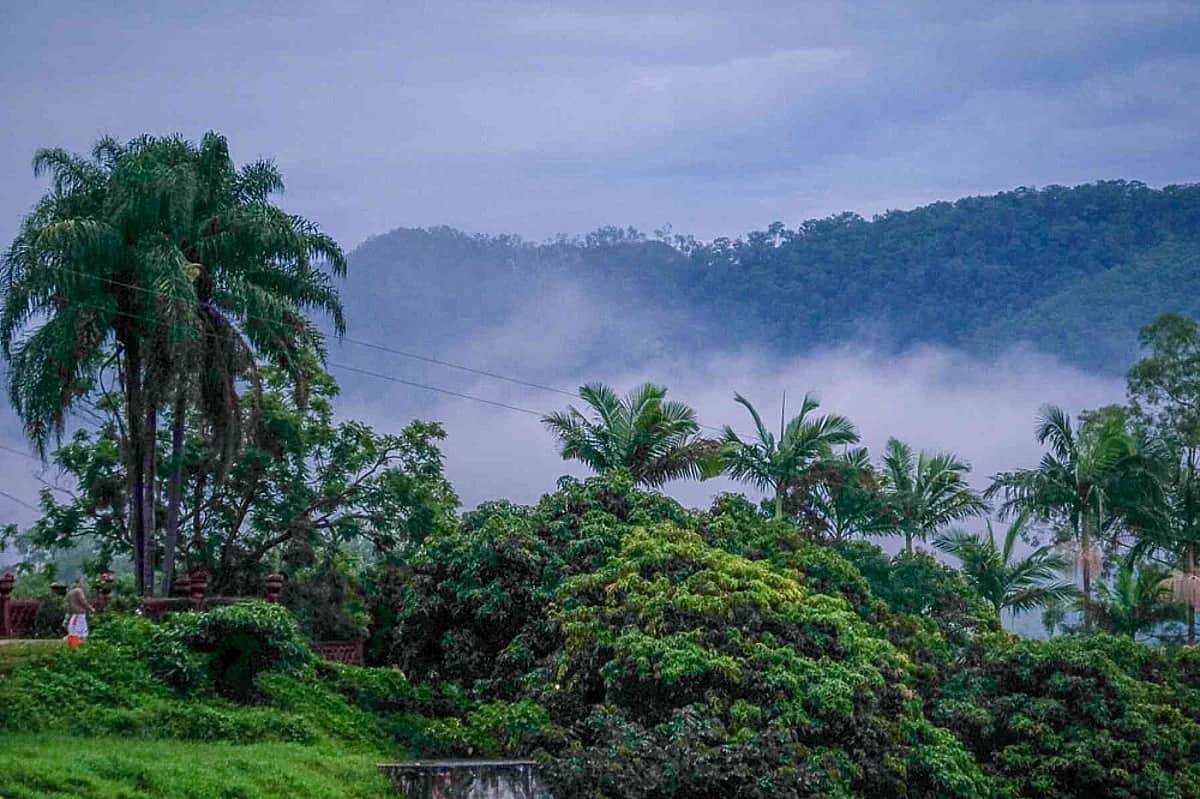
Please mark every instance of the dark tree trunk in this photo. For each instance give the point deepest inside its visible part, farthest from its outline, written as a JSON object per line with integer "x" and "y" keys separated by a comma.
{"x": 174, "y": 492}
{"x": 135, "y": 461}
{"x": 148, "y": 497}
{"x": 1190, "y": 571}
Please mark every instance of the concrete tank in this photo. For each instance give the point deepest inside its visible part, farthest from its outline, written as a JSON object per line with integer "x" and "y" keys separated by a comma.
{"x": 466, "y": 779}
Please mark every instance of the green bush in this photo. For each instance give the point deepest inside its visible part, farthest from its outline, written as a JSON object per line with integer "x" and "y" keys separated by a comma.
{"x": 123, "y": 629}
{"x": 228, "y": 647}
{"x": 50, "y": 619}
{"x": 474, "y": 608}
{"x": 1073, "y": 717}
{"x": 688, "y": 671}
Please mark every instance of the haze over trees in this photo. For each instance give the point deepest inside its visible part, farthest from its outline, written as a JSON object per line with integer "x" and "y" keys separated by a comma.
{"x": 1073, "y": 271}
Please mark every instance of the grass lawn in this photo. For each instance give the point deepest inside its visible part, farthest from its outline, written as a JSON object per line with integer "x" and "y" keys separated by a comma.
{"x": 18, "y": 651}
{"x": 62, "y": 766}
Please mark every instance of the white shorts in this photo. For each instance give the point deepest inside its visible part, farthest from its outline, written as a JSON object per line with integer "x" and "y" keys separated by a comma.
{"x": 77, "y": 625}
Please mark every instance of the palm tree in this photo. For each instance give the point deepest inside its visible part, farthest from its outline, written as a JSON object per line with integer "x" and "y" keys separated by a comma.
{"x": 1008, "y": 583}
{"x": 1136, "y": 602}
{"x": 1084, "y": 483}
{"x": 804, "y": 442}
{"x": 137, "y": 255}
{"x": 848, "y": 498}
{"x": 654, "y": 439}
{"x": 1175, "y": 537}
{"x": 926, "y": 492}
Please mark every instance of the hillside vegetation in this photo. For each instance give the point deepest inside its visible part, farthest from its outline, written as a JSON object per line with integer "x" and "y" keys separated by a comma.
{"x": 1071, "y": 271}
{"x": 636, "y": 649}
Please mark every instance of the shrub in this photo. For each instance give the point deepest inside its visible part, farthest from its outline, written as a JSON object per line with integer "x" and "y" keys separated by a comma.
{"x": 474, "y": 609}
{"x": 50, "y": 619}
{"x": 123, "y": 629}
{"x": 228, "y": 647}
{"x": 1065, "y": 718}
{"x": 688, "y": 671}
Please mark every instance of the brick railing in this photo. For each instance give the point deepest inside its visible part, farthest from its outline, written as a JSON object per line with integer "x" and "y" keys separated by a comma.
{"x": 191, "y": 593}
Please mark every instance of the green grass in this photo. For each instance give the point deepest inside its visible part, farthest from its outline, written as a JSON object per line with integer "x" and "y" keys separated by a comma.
{"x": 51, "y": 766}
{"x": 16, "y": 652}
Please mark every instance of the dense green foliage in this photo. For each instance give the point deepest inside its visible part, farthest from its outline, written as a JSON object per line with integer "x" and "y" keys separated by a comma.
{"x": 980, "y": 273}
{"x": 1076, "y": 717}
{"x": 640, "y": 649}
{"x": 677, "y": 653}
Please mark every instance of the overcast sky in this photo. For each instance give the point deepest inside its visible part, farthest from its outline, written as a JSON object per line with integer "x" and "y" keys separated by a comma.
{"x": 558, "y": 117}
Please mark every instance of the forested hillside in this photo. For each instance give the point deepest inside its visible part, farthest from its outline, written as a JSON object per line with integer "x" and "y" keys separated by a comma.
{"x": 1071, "y": 271}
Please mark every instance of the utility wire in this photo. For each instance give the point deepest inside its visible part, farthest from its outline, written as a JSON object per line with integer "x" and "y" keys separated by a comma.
{"x": 16, "y": 451}
{"x": 458, "y": 366}
{"x": 19, "y": 501}
{"x": 452, "y": 393}
{"x": 371, "y": 345}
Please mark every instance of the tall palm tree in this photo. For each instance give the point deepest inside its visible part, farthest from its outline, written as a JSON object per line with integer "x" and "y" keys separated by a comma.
{"x": 656, "y": 440}
{"x": 926, "y": 492}
{"x": 1174, "y": 539}
{"x": 1087, "y": 480}
{"x": 776, "y": 464}
{"x": 1137, "y": 601}
{"x": 136, "y": 255}
{"x": 1007, "y": 582}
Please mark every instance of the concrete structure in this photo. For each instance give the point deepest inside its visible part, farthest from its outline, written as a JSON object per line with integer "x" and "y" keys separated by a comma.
{"x": 466, "y": 779}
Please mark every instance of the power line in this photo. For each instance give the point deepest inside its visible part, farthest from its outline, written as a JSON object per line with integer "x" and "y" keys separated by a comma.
{"x": 16, "y": 451}
{"x": 19, "y": 501}
{"x": 371, "y": 345}
{"x": 458, "y": 366}
{"x": 451, "y": 392}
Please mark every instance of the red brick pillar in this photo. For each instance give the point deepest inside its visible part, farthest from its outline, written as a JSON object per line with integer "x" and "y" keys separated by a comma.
{"x": 274, "y": 583}
{"x": 104, "y": 590}
{"x": 199, "y": 589}
{"x": 6, "y": 587}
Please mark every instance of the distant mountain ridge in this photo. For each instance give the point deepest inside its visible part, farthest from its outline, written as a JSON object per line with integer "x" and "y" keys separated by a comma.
{"x": 1071, "y": 271}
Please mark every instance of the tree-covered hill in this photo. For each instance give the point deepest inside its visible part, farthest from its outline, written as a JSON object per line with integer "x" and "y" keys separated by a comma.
{"x": 1071, "y": 271}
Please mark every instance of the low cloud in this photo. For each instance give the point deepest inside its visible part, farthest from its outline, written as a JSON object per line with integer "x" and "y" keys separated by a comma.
{"x": 983, "y": 409}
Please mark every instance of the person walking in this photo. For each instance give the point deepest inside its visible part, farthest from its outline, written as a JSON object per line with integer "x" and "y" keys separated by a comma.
{"x": 78, "y": 608}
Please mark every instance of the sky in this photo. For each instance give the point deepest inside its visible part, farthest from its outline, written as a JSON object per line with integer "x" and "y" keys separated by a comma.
{"x": 712, "y": 118}
{"x": 545, "y": 118}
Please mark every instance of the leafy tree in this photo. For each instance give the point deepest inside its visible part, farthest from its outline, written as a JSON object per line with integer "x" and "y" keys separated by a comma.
{"x": 776, "y": 464}
{"x": 1088, "y": 482}
{"x": 1009, "y": 583}
{"x": 305, "y": 489}
{"x": 656, "y": 440}
{"x": 1076, "y": 716}
{"x": 848, "y": 498}
{"x": 133, "y": 259}
{"x": 1137, "y": 601}
{"x": 1164, "y": 391}
{"x": 926, "y": 492}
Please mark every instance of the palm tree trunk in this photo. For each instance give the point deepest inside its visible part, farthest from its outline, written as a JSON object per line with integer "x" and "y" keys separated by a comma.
{"x": 1085, "y": 560}
{"x": 174, "y": 492}
{"x": 1191, "y": 571}
{"x": 134, "y": 460}
{"x": 778, "y": 505}
{"x": 197, "y": 521}
{"x": 908, "y": 539}
{"x": 148, "y": 496}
